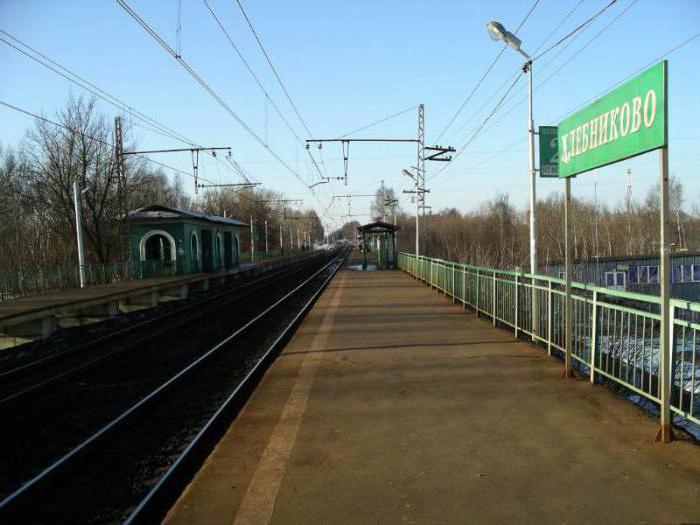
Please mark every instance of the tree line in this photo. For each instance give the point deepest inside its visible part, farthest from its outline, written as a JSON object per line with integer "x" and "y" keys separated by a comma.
{"x": 497, "y": 233}
{"x": 36, "y": 195}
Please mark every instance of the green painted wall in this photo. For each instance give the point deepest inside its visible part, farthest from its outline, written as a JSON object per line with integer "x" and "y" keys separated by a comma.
{"x": 182, "y": 231}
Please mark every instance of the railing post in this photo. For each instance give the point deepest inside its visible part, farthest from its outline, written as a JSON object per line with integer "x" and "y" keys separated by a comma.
{"x": 516, "y": 306}
{"x": 454, "y": 299}
{"x": 594, "y": 337}
{"x": 464, "y": 287}
{"x": 478, "y": 282}
{"x": 493, "y": 299}
{"x": 549, "y": 318}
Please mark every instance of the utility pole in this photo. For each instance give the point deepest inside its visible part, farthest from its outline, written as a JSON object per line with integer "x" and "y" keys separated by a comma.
{"x": 266, "y": 246}
{"x": 194, "y": 151}
{"x": 252, "y": 240}
{"x": 121, "y": 189}
{"x": 79, "y": 231}
{"x": 420, "y": 168}
{"x": 420, "y": 172}
{"x": 281, "y": 240}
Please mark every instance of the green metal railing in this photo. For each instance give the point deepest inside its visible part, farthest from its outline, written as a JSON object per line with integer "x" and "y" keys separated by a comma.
{"x": 615, "y": 333}
{"x": 33, "y": 281}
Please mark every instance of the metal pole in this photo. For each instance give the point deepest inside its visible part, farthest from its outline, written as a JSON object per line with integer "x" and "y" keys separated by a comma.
{"x": 252, "y": 240}
{"x": 79, "y": 233}
{"x": 281, "y": 240}
{"x": 266, "y": 246}
{"x": 568, "y": 333}
{"x": 665, "y": 351}
{"x": 533, "y": 203}
{"x": 121, "y": 189}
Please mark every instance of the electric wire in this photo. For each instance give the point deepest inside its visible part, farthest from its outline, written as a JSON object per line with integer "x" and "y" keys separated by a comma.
{"x": 663, "y": 55}
{"x": 40, "y": 58}
{"x": 575, "y": 30}
{"x": 381, "y": 121}
{"x": 607, "y": 26}
{"x": 97, "y": 139}
{"x": 260, "y": 85}
{"x": 486, "y": 73}
{"x": 208, "y": 89}
{"x": 272, "y": 67}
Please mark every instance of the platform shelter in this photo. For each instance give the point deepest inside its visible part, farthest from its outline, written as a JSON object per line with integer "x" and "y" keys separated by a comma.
{"x": 380, "y": 238}
{"x": 186, "y": 241}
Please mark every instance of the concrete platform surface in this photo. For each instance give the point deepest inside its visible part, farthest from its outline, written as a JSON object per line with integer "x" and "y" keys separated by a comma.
{"x": 391, "y": 405}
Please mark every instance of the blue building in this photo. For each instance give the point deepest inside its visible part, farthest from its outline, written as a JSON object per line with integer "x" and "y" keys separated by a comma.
{"x": 638, "y": 273}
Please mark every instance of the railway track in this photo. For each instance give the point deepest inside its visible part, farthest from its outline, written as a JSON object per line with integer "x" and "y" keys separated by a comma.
{"x": 109, "y": 461}
{"x": 91, "y": 337}
{"x": 31, "y": 374}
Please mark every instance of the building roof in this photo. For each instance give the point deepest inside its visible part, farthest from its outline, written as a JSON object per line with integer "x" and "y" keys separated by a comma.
{"x": 627, "y": 258}
{"x": 159, "y": 213}
{"x": 378, "y": 225}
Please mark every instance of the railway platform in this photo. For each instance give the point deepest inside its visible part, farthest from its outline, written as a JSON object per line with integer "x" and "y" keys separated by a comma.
{"x": 392, "y": 405}
{"x": 36, "y": 317}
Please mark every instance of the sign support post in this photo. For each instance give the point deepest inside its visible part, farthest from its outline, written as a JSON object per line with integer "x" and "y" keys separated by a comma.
{"x": 630, "y": 120}
{"x": 665, "y": 351}
{"x": 568, "y": 328}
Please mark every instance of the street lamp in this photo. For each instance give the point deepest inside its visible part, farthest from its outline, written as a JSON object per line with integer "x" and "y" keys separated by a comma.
{"x": 498, "y": 32}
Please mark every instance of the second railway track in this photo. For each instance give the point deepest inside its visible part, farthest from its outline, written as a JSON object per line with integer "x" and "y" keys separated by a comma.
{"x": 96, "y": 459}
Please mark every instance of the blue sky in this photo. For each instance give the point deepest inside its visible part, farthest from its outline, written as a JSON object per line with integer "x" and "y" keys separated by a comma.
{"x": 347, "y": 64}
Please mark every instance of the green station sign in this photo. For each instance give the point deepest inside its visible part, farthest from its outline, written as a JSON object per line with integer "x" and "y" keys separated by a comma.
{"x": 549, "y": 151}
{"x": 628, "y": 121}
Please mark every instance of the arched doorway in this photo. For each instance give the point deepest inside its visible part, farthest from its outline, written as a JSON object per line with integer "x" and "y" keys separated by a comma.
{"x": 236, "y": 250}
{"x": 194, "y": 252}
{"x": 157, "y": 249}
{"x": 219, "y": 251}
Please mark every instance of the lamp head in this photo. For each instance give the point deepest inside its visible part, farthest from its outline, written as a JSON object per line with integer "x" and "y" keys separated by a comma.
{"x": 498, "y": 32}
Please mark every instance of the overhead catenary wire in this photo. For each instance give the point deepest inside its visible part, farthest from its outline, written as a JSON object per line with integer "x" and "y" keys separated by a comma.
{"x": 260, "y": 85}
{"x": 148, "y": 123}
{"x": 607, "y": 26}
{"x": 377, "y": 122}
{"x": 486, "y": 73}
{"x": 272, "y": 67}
{"x": 575, "y": 30}
{"x": 648, "y": 64}
{"x": 97, "y": 139}
{"x": 516, "y": 73}
{"x": 208, "y": 89}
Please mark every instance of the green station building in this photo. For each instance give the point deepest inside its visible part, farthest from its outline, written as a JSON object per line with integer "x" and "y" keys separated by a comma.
{"x": 181, "y": 241}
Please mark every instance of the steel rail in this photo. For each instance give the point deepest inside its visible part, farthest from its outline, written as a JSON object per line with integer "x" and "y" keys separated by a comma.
{"x": 151, "y": 504}
{"x": 112, "y": 335}
{"x": 25, "y": 487}
{"x": 209, "y": 300}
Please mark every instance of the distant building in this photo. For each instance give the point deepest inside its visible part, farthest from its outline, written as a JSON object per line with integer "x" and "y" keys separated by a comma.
{"x": 638, "y": 273}
{"x": 183, "y": 241}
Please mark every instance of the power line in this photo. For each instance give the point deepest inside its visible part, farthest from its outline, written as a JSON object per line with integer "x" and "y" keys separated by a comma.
{"x": 558, "y": 69}
{"x": 510, "y": 79}
{"x": 561, "y": 23}
{"x": 481, "y": 126}
{"x": 274, "y": 70}
{"x": 209, "y": 90}
{"x": 486, "y": 73}
{"x": 681, "y": 44}
{"x": 47, "y": 62}
{"x": 576, "y": 29}
{"x": 378, "y": 122}
{"x": 88, "y": 86}
{"x": 260, "y": 85}
{"x": 97, "y": 139}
